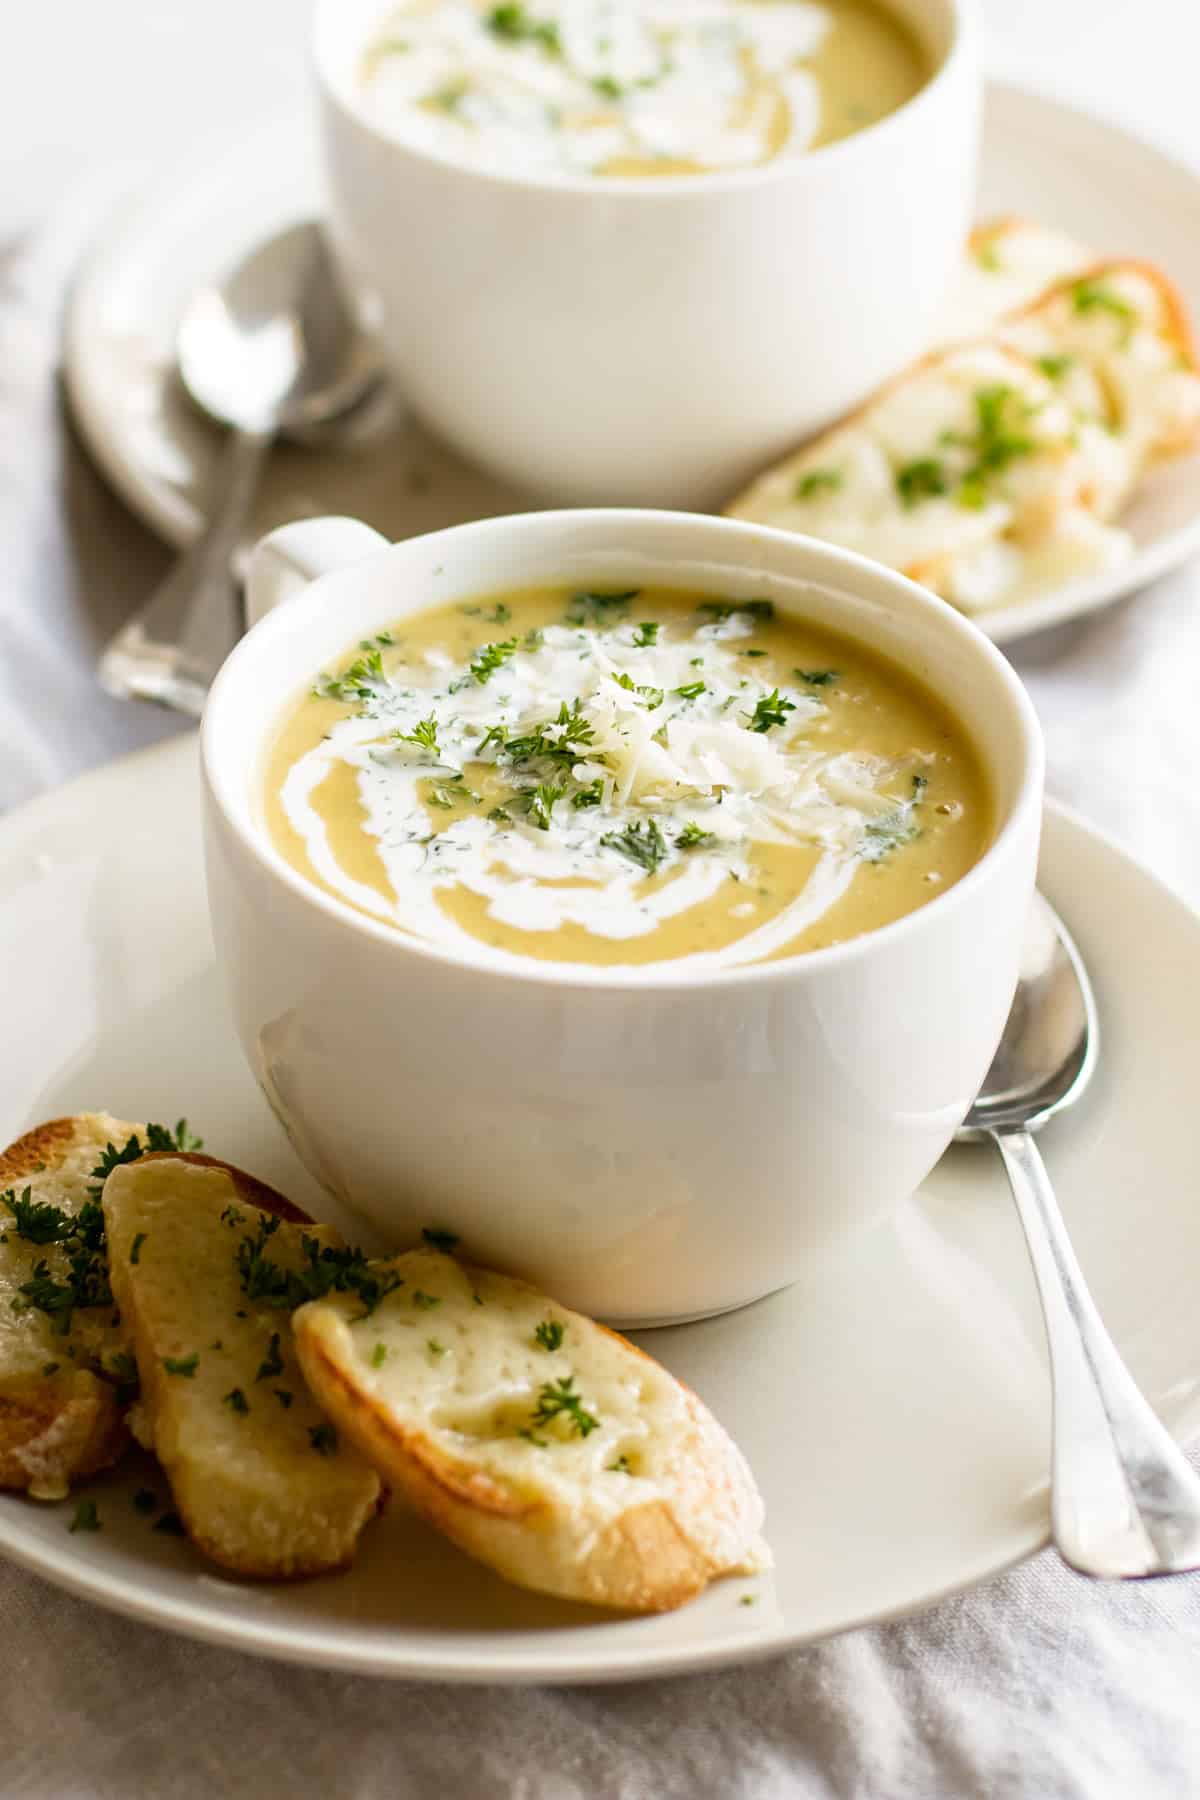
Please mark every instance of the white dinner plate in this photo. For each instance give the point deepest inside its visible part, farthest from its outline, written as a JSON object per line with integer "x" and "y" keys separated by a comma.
{"x": 1040, "y": 158}
{"x": 894, "y": 1407}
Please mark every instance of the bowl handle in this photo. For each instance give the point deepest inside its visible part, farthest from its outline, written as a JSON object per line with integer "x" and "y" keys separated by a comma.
{"x": 289, "y": 559}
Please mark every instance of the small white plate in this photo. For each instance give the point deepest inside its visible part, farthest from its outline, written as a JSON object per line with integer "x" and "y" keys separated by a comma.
{"x": 894, "y": 1408}
{"x": 1094, "y": 180}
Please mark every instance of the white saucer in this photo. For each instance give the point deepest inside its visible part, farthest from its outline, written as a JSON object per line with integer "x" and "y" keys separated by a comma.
{"x": 894, "y": 1408}
{"x": 1040, "y": 158}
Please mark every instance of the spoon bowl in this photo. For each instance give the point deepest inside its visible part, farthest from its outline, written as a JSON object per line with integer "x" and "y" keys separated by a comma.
{"x": 270, "y": 347}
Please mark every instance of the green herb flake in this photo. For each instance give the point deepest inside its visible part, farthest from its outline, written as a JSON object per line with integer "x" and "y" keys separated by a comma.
{"x": 379, "y": 1356}
{"x": 642, "y": 842}
{"x": 646, "y": 634}
{"x": 323, "y": 1438}
{"x": 818, "y": 481}
{"x": 1055, "y": 367}
{"x": 425, "y": 1301}
{"x": 720, "y": 610}
{"x": 434, "y": 1348}
{"x": 770, "y": 711}
{"x": 36, "y": 1220}
{"x": 921, "y": 480}
{"x": 490, "y": 657}
{"x": 424, "y": 735}
{"x": 531, "y": 1437}
{"x": 816, "y": 677}
{"x": 357, "y": 682}
{"x": 549, "y": 1334}
{"x": 236, "y": 1401}
{"x": 182, "y": 1365}
{"x": 692, "y": 836}
{"x": 691, "y": 690}
{"x": 591, "y": 795}
{"x": 272, "y": 1363}
{"x": 601, "y": 610}
{"x": 135, "y": 1249}
{"x": 560, "y": 1400}
{"x": 86, "y": 1517}
{"x": 621, "y": 1466}
{"x": 284, "y": 1397}
{"x": 1090, "y": 295}
{"x": 51, "y": 1368}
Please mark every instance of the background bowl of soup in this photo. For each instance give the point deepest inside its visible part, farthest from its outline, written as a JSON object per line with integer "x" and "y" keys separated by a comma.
{"x": 684, "y": 1125}
{"x": 626, "y": 254}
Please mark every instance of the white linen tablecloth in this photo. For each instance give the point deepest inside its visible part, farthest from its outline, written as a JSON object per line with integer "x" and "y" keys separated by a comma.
{"x": 1038, "y": 1683}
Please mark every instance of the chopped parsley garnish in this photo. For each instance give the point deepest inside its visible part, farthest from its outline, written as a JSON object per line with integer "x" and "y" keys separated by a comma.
{"x": 379, "y": 1356}
{"x": 496, "y": 615}
{"x": 323, "y": 1271}
{"x": 621, "y": 1466}
{"x": 434, "y": 1348}
{"x": 642, "y": 842}
{"x": 41, "y": 1292}
{"x": 560, "y": 741}
{"x": 549, "y": 1334}
{"x": 358, "y": 682}
{"x": 748, "y": 1600}
{"x": 511, "y": 22}
{"x": 531, "y": 1437}
{"x": 818, "y": 481}
{"x": 425, "y": 1301}
{"x": 424, "y": 735}
{"x": 591, "y": 795}
{"x": 921, "y": 480}
{"x": 692, "y": 836}
{"x": 36, "y": 1220}
{"x": 125, "y": 1371}
{"x": 86, "y": 1517}
{"x": 542, "y": 801}
{"x": 145, "y": 1501}
{"x": 491, "y": 657}
{"x": 608, "y": 87}
{"x": 236, "y": 1401}
{"x": 816, "y": 677}
{"x": 51, "y": 1368}
{"x": 233, "y": 1215}
{"x": 691, "y": 690}
{"x": 883, "y": 835}
{"x": 1054, "y": 367}
{"x": 272, "y": 1363}
{"x": 323, "y": 1438}
{"x": 771, "y": 710}
{"x": 1094, "y": 296}
{"x": 559, "y": 1399}
{"x": 437, "y": 1239}
{"x": 135, "y": 1249}
{"x": 720, "y": 610}
{"x": 284, "y": 1397}
{"x": 987, "y": 255}
{"x": 182, "y": 1365}
{"x": 646, "y": 634}
{"x": 599, "y": 609}
{"x": 650, "y": 697}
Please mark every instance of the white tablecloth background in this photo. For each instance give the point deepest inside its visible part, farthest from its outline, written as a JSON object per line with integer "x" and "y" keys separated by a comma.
{"x": 1037, "y": 1684}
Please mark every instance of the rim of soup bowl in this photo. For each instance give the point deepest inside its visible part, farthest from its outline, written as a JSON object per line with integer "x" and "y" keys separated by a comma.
{"x": 961, "y": 19}
{"x": 823, "y": 565}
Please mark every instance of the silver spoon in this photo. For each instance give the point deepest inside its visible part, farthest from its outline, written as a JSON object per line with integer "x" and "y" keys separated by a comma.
{"x": 1126, "y": 1501}
{"x": 271, "y": 347}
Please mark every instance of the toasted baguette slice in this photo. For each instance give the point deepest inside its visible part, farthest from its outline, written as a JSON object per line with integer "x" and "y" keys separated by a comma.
{"x": 261, "y": 1483}
{"x": 570, "y": 1462}
{"x": 61, "y": 1369}
{"x": 1009, "y": 261}
{"x": 996, "y": 470}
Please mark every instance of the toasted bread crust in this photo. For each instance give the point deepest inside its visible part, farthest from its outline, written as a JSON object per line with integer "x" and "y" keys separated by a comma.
{"x": 651, "y": 1553}
{"x": 250, "y": 1189}
{"x": 64, "y": 1423}
{"x": 254, "y": 1495}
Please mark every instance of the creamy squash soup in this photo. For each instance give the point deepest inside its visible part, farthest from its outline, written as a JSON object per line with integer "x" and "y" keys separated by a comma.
{"x": 623, "y": 777}
{"x": 636, "y": 87}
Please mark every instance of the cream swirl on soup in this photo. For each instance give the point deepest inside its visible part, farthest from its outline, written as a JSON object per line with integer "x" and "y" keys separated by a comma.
{"x": 622, "y": 777}
{"x": 635, "y": 86}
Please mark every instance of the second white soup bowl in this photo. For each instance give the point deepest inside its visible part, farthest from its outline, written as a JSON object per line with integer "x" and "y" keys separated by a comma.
{"x": 648, "y": 1145}
{"x": 650, "y": 340}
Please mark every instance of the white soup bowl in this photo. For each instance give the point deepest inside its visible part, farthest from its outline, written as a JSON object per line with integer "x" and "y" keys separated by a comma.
{"x": 649, "y": 1145}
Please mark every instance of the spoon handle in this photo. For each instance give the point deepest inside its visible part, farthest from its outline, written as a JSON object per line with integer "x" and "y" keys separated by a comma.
{"x": 171, "y": 650}
{"x": 1126, "y": 1502}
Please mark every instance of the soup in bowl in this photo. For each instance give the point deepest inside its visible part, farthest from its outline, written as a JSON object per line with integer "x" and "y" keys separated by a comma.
{"x": 636, "y": 896}
{"x": 621, "y": 252}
